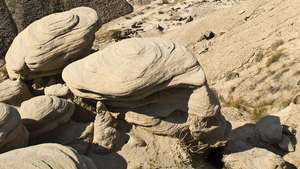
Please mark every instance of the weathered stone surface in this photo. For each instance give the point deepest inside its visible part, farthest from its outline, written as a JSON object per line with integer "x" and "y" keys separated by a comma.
{"x": 133, "y": 69}
{"x": 52, "y": 156}
{"x": 150, "y": 79}
{"x": 254, "y": 158}
{"x": 44, "y": 113}
{"x": 59, "y": 90}
{"x": 105, "y": 134}
{"x": 12, "y": 132}
{"x": 26, "y": 12}
{"x": 49, "y": 44}
{"x": 8, "y": 29}
{"x": 13, "y": 92}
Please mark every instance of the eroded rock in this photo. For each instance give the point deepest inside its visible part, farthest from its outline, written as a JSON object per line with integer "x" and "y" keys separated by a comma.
{"x": 49, "y": 44}
{"x": 13, "y": 92}
{"x": 13, "y": 133}
{"x": 52, "y": 156}
{"x": 144, "y": 66}
{"x": 255, "y": 158}
{"x": 44, "y": 113}
{"x": 59, "y": 90}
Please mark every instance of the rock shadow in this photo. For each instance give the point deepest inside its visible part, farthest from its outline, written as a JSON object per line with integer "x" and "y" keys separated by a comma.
{"x": 246, "y": 137}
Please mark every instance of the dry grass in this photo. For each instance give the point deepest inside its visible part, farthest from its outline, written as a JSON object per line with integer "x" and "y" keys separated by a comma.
{"x": 274, "y": 57}
{"x": 256, "y": 111}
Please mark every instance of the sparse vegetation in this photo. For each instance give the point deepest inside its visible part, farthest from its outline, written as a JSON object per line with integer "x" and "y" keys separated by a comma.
{"x": 275, "y": 56}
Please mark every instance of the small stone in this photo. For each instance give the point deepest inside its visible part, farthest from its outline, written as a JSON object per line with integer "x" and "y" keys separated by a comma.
{"x": 59, "y": 90}
{"x": 296, "y": 100}
{"x": 209, "y": 35}
{"x": 189, "y": 19}
{"x": 242, "y": 12}
{"x": 160, "y": 28}
{"x": 137, "y": 24}
{"x": 231, "y": 75}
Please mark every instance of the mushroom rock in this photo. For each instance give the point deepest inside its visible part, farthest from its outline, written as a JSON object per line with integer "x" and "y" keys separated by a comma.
{"x": 47, "y": 45}
{"x": 13, "y": 92}
{"x": 150, "y": 79}
{"x": 133, "y": 69}
{"x": 46, "y": 156}
{"x": 12, "y": 132}
{"x": 42, "y": 114}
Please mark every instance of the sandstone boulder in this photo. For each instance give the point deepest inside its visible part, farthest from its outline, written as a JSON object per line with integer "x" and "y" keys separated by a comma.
{"x": 49, "y": 44}
{"x": 48, "y": 156}
{"x": 12, "y": 132}
{"x": 59, "y": 90}
{"x": 44, "y": 113}
{"x": 255, "y": 158}
{"x": 13, "y": 92}
{"x": 133, "y": 69}
{"x": 157, "y": 83}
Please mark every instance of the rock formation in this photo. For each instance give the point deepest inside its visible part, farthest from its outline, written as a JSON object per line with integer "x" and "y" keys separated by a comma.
{"x": 52, "y": 156}
{"x": 55, "y": 41}
{"x": 13, "y": 133}
{"x": 13, "y": 92}
{"x": 255, "y": 158}
{"x": 44, "y": 113}
{"x": 144, "y": 66}
{"x": 150, "y": 79}
{"x": 59, "y": 90}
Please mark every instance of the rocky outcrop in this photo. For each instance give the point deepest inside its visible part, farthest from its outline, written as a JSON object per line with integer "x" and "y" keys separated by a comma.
{"x": 144, "y": 66}
{"x": 44, "y": 113}
{"x": 255, "y": 158}
{"x": 52, "y": 156}
{"x": 8, "y": 29}
{"x": 55, "y": 41}
{"x": 157, "y": 83}
{"x": 13, "y": 92}
{"x": 13, "y": 133}
{"x": 26, "y": 12}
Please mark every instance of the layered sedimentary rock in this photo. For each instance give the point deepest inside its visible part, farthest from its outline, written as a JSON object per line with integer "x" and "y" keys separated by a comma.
{"x": 133, "y": 69}
{"x": 44, "y": 113}
{"x": 8, "y": 29}
{"x": 49, "y": 44}
{"x": 157, "y": 83}
{"x": 12, "y": 132}
{"x": 13, "y": 92}
{"x": 59, "y": 90}
{"x": 26, "y": 12}
{"x": 52, "y": 156}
